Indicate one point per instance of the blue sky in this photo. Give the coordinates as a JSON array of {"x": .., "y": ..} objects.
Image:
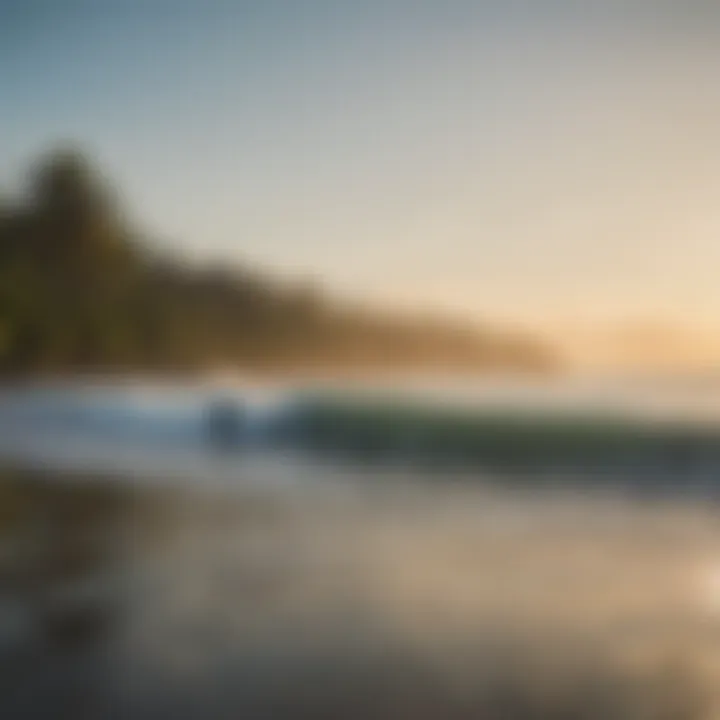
[{"x": 549, "y": 162}]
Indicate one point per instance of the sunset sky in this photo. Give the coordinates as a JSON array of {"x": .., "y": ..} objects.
[{"x": 553, "y": 163}]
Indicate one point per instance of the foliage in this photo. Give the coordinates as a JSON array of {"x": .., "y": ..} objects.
[{"x": 80, "y": 292}]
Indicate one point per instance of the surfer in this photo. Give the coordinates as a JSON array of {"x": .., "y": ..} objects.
[{"x": 225, "y": 424}]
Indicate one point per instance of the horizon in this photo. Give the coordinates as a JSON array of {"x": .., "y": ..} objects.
[{"x": 547, "y": 166}]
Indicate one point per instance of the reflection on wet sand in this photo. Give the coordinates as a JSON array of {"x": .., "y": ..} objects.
[
  {"x": 383, "y": 602},
  {"x": 59, "y": 616}
]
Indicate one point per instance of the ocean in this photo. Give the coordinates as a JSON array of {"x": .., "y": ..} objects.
[{"x": 145, "y": 574}]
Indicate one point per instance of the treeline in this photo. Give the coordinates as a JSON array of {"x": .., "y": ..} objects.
[{"x": 80, "y": 290}]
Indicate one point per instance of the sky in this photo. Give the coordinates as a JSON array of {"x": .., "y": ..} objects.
[{"x": 550, "y": 163}]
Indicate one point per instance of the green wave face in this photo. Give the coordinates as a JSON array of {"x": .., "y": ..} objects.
[{"x": 496, "y": 437}]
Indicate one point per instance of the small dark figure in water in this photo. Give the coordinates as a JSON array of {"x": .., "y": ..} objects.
[{"x": 225, "y": 424}]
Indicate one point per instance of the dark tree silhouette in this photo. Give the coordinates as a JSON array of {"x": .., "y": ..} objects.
[{"x": 80, "y": 292}]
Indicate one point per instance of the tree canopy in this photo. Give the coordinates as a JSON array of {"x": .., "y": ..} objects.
[{"x": 80, "y": 290}]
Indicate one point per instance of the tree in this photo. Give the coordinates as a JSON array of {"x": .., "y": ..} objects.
[{"x": 79, "y": 291}]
